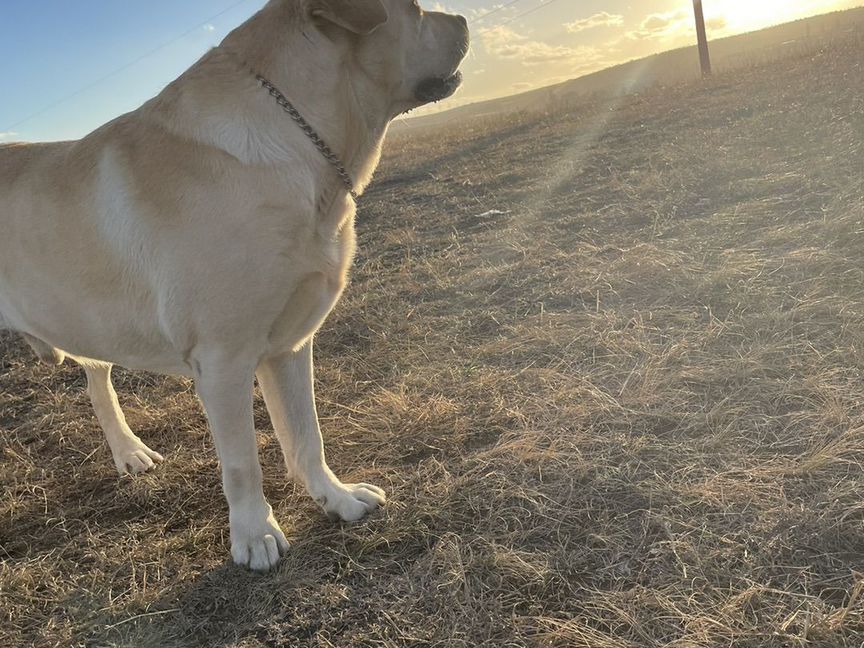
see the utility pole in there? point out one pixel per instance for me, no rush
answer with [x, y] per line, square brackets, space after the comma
[704, 56]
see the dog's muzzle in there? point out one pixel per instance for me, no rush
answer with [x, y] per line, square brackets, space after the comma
[438, 88]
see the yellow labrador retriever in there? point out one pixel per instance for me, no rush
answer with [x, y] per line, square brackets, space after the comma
[209, 233]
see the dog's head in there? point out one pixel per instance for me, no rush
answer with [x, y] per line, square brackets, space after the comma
[409, 55]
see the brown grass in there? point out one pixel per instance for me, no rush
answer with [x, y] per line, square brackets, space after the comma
[629, 411]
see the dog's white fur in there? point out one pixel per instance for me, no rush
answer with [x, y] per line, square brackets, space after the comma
[205, 235]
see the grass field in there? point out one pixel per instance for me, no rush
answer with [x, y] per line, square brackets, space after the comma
[607, 363]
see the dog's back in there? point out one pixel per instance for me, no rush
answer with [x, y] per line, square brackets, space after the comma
[20, 158]
[17, 161]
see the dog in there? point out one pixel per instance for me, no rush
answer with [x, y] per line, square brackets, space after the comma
[210, 232]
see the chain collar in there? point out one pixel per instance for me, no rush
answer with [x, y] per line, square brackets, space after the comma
[320, 144]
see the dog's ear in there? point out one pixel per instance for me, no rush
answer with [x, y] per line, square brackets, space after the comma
[357, 16]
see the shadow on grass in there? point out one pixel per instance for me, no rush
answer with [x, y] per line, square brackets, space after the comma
[221, 607]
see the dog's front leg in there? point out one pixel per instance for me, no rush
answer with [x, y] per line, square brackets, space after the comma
[287, 384]
[225, 389]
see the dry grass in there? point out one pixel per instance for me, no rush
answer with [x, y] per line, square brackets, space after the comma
[629, 411]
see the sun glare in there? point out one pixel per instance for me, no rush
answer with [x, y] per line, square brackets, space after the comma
[748, 15]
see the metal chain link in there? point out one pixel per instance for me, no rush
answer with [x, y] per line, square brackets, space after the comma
[320, 144]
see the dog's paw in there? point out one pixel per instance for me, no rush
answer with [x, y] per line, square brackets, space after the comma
[258, 545]
[352, 502]
[132, 457]
[45, 352]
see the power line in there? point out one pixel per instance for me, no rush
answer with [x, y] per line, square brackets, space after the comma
[495, 10]
[518, 16]
[126, 66]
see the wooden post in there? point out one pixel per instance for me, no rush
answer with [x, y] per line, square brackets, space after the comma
[704, 56]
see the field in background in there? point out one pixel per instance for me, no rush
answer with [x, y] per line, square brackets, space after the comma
[607, 362]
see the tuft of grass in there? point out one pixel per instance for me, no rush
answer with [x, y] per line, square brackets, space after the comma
[606, 360]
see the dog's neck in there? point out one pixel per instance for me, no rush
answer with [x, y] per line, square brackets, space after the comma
[321, 81]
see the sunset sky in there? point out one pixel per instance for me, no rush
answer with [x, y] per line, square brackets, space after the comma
[67, 67]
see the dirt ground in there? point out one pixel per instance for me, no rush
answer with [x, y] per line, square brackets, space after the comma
[607, 362]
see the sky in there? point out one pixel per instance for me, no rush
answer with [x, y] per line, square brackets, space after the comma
[67, 67]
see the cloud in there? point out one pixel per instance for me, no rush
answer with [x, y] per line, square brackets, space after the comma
[602, 19]
[660, 26]
[717, 23]
[481, 12]
[471, 13]
[7, 136]
[439, 6]
[209, 28]
[503, 42]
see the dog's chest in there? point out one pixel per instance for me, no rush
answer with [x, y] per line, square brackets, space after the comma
[309, 299]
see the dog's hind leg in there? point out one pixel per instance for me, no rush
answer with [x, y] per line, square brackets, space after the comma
[44, 351]
[130, 454]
